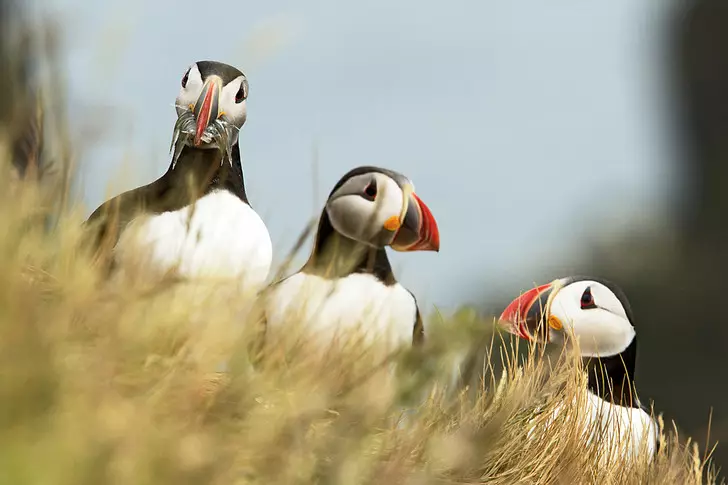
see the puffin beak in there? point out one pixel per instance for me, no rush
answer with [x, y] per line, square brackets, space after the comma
[418, 230]
[206, 109]
[526, 316]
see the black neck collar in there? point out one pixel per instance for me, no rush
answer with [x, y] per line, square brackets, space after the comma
[212, 172]
[337, 256]
[612, 378]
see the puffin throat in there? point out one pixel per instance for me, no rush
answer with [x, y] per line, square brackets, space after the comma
[612, 378]
[335, 255]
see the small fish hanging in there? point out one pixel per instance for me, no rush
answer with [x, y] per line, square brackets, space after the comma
[220, 131]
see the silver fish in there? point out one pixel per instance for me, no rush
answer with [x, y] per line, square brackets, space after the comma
[220, 131]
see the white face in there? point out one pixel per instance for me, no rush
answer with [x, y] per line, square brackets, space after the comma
[595, 316]
[361, 207]
[232, 101]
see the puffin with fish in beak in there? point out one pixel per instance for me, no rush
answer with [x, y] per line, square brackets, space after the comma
[196, 219]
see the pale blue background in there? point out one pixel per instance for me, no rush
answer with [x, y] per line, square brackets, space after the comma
[527, 126]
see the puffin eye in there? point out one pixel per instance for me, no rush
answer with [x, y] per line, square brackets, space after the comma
[587, 299]
[185, 78]
[370, 191]
[240, 95]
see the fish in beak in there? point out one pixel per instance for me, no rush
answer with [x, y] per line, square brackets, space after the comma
[206, 110]
[418, 229]
[528, 315]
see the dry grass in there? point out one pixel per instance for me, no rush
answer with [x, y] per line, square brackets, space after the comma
[115, 383]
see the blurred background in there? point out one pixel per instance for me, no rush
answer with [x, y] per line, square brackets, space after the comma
[554, 138]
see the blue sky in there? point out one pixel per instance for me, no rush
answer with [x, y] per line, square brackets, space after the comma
[526, 126]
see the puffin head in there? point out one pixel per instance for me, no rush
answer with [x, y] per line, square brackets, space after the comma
[379, 207]
[210, 106]
[594, 311]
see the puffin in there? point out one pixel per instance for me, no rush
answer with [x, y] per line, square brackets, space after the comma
[347, 282]
[597, 313]
[195, 221]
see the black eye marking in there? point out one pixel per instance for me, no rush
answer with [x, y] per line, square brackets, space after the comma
[185, 78]
[587, 299]
[241, 94]
[370, 191]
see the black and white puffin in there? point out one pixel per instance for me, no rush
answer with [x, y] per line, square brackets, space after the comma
[347, 281]
[195, 220]
[595, 312]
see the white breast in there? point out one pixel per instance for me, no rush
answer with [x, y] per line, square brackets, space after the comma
[625, 431]
[220, 237]
[327, 308]
[621, 433]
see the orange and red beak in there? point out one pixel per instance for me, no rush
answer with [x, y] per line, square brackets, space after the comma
[207, 108]
[418, 231]
[527, 315]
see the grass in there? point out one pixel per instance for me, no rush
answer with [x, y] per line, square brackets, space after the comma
[109, 382]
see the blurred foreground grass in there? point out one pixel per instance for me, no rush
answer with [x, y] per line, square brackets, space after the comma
[111, 382]
[108, 382]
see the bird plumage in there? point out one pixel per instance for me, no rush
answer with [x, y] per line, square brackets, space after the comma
[218, 237]
[347, 281]
[621, 432]
[195, 220]
[332, 308]
[598, 316]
